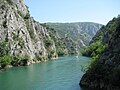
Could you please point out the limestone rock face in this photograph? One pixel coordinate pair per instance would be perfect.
(23, 34)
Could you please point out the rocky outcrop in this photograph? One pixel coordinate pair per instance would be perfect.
(101, 39)
(22, 33)
(105, 75)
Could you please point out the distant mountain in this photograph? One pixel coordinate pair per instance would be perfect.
(80, 32)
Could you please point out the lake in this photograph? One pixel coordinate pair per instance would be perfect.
(61, 74)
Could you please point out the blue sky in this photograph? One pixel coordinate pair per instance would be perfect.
(100, 11)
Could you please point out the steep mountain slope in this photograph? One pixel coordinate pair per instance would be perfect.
(81, 33)
(101, 39)
(64, 45)
(22, 39)
(104, 71)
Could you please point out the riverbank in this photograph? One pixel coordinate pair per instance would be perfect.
(30, 62)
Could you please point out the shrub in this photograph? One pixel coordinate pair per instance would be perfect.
(24, 60)
(48, 42)
(5, 57)
(5, 60)
(26, 57)
(15, 60)
(15, 37)
(94, 50)
(4, 50)
(37, 57)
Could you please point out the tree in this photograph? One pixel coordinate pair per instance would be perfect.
(5, 60)
(5, 57)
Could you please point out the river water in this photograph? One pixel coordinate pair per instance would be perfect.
(61, 74)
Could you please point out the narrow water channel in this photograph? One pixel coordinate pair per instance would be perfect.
(61, 74)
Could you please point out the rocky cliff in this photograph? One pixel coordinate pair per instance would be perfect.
(22, 34)
(101, 39)
(104, 72)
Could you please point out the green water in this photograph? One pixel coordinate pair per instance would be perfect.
(62, 74)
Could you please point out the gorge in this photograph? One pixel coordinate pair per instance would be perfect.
(24, 41)
(77, 53)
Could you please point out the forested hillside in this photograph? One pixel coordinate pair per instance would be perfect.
(104, 70)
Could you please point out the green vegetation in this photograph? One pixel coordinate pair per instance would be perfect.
(59, 42)
(20, 60)
(69, 38)
(94, 49)
(15, 60)
(100, 42)
(19, 40)
(69, 43)
(37, 57)
(15, 37)
(21, 43)
(26, 57)
(104, 67)
(64, 45)
(5, 60)
(5, 57)
(40, 58)
(51, 52)
(48, 42)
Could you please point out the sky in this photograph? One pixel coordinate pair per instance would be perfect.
(99, 11)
